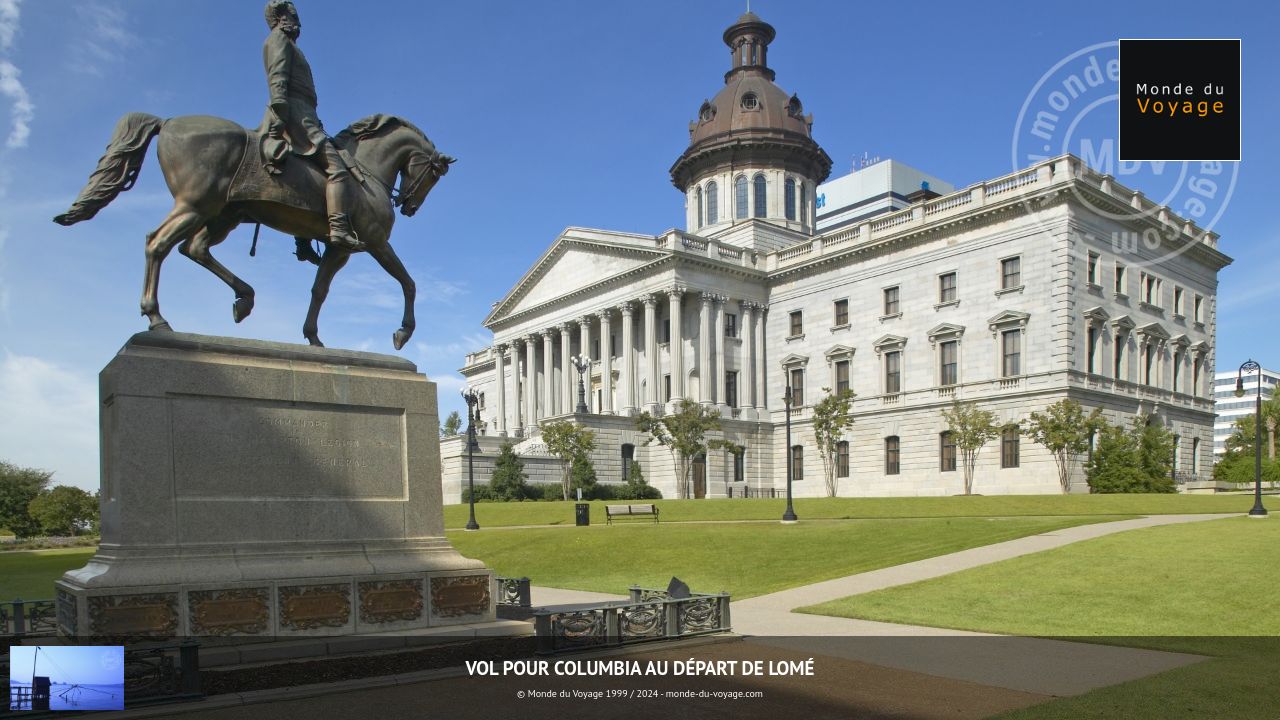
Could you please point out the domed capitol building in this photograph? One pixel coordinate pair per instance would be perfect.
(887, 281)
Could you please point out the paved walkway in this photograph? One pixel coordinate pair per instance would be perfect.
(1034, 665)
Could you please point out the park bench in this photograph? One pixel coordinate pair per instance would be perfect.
(612, 511)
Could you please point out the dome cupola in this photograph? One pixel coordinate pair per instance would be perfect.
(751, 152)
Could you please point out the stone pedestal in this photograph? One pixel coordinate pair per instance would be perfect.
(255, 488)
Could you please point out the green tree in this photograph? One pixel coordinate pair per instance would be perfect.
(1133, 460)
(18, 487)
(1064, 430)
(831, 418)
(64, 510)
(452, 425)
(583, 476)
(971, 428)
(568, 442)
(684, 434)
(508, 479)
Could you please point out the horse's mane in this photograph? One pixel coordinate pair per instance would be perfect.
(374, 124)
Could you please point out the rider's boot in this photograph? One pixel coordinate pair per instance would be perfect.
(335, 194)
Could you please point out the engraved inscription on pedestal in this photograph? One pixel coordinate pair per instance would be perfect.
(264, 450)
(453, 597)
(305, 607)
(149, 614)
(66, 612)
(228, 612)
(390, 601)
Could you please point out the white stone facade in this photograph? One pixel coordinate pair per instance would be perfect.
(734, 327)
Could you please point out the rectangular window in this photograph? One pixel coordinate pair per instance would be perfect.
(1011, 342)
(1093, 268)
(1177, 371)
(1010, 273)
(595, 349)
(1009, 448)
(613, 346)
(948, 354)
(842, 459)
(730, 325)
(1091, 351)
(1120, 280)
(892, 372)
(891, 455)
(947, 287)
(947, 452)
(1148, 363)
(1195, 376)
(731, 388)
(1196, 309)
(666, 388)
(1149, 294)
(797, 462)
(842, 375)
(1118, 364)
(797, 387)
(797, 323)
(842, 312)
(1177, 301)
(666, 330)
(891, 301)
(739, 466)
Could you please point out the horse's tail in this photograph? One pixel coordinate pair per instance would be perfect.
(117, 169)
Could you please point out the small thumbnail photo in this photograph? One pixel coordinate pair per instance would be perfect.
(66, 677)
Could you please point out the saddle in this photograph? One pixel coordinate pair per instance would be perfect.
(297, 184)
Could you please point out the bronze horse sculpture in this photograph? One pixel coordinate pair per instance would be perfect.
(208, 165)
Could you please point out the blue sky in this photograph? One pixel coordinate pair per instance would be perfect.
(82, 665)
(561, 113)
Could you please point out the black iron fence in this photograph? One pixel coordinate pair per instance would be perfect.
(512, 597)
(650, 615)
(162, 673)
(750, 492)
(19, 618)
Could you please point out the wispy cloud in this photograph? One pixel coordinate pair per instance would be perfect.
(105, 38)
(21, 110)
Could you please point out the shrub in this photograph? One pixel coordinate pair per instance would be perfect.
(1137, 460)
(508, 479)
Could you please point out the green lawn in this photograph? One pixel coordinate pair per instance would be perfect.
(746, 559)
(30, 574)
(561, 513)
(1203, 588)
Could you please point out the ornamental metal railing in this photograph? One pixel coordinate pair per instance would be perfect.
(750, 492)
(19, 618)
(650, 615)
(162, 673)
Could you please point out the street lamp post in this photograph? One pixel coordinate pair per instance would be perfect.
(470, 396)
(582, 364)
(790, 515)
(1258, 510)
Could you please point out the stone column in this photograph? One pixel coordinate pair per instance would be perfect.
(704, 350)
(651, 353)
(758, 376)
(584, 349)
(676, 346)
(499, 367)
(628, 380)
(566, 373)
(606, 361)
(721, 401)
(530, 384)
(747, 362)
(548, 388)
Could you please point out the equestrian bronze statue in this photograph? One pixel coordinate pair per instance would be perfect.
(287, 175)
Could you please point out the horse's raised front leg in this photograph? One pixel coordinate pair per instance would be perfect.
(197, 248)
(387, 258)
(332, 262)
(179, 225)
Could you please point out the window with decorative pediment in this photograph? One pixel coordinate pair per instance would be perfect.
(889, 348)
(1009, 328)
(945, 338)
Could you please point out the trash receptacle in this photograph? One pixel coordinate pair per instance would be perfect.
(582, 513)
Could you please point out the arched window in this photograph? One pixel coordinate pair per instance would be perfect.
(842, 459)
(761, 206)
(628, 456)
(697, 193)
(892, 456)
(804, 204)
(713, 204)
(789, 198)
(740, 198)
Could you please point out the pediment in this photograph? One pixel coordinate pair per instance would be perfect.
(570, 265)
(1180, 340)
(1009, 317)
(1123, 322)
(888, 341)
(946, 329)
(794, 359)
(1154, 330)
(838, 351)
(1097, 313)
